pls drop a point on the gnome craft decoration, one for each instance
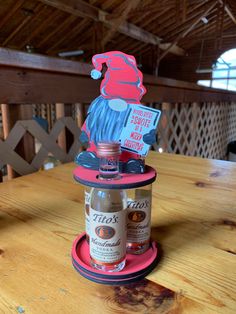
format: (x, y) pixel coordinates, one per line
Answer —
(117, 115)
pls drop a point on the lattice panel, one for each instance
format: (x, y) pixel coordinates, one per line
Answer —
(9, 156)
(197, 129)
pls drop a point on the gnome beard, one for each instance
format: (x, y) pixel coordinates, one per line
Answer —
(104, 123)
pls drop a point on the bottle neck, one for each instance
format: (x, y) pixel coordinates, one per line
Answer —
(109, 167)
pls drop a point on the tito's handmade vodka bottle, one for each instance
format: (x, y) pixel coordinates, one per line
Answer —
(108, 215)
(86, 211)
(139, 219)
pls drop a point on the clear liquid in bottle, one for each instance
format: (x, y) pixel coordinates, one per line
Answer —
(108, 214)
(139, 204)
(108, 229)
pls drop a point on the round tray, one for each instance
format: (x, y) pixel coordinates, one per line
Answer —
(137, 266)
(89, 177)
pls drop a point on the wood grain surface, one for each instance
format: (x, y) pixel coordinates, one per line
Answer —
(193, 219)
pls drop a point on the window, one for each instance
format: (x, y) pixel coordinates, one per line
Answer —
(224, 72)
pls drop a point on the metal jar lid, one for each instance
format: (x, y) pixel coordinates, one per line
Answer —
(105, 149)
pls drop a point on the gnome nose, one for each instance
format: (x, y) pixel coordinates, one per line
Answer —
(117, 104)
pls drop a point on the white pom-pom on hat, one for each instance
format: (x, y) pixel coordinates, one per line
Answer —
(95, 74)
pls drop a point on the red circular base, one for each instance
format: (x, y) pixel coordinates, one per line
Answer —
(127, 181)
(136, 268)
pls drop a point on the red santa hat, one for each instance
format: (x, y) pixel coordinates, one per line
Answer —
(122, 79)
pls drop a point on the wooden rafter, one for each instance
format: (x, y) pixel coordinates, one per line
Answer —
(13, 58)
(221, 26)
(108, 5)
(209, 30)
(21, 25)
(82, 43)
(185, 8)
(98, 35)
(210, 37)
(177, 12)
(81, 8)
(172, 31)
(228, 11)
(150, 8)
(188, 30)
(78, 7)
(217, 24)
(139, 34)
(147, 17)
(69, 37)
(129, 46)
(178, 51)
(51, 18)
(57, 29)
(154, 25)
(123, 12)
(197, 35)
(11, 12)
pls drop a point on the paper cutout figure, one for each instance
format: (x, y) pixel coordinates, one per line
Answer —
(121, 91)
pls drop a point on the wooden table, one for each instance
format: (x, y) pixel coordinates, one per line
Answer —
(193, 217)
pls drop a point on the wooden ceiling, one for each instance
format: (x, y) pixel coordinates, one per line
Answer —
(167, 35)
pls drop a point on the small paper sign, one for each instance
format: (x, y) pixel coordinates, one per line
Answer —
(139, 132)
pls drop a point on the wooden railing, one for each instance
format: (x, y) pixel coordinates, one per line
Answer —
(48, 144)
(198, 128)
(195, 120)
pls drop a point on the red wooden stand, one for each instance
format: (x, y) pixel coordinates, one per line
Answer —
(127, 181)
(137, 266)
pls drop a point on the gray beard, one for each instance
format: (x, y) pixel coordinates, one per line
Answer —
(104, 123)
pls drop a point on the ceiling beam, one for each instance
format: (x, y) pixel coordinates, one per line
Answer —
(169, 29)
(47, 20)
(84, 9)
(75, 7)
(67, 21)
(69, 37)
(210, 37)
(25, 20)
(178, 51)
(185, 8)
(18, 59)
(10, 13)
(188, 30)
(123, 12)
(228, 11)
(138, 33)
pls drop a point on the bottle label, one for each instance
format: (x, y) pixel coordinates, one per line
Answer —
(139, 220)
(107, 236)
